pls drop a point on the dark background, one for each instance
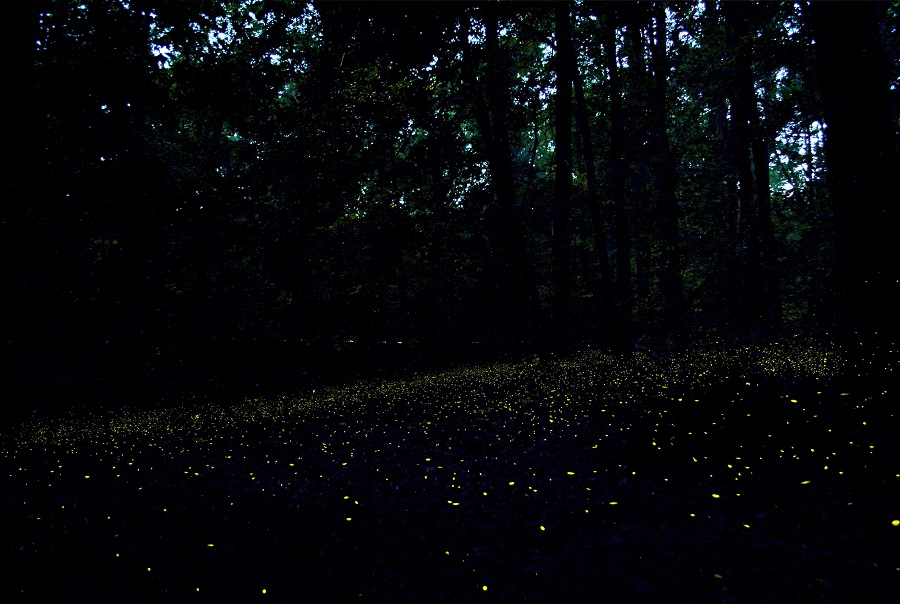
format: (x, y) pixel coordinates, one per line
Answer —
(266, 195)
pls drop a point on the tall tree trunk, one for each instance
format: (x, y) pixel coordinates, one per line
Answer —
(23, 183)
(516, 287)
(561, 244)
(758, 297)
(625, 297)
(671, 279)
(862, 164)
(725, 186)
(603, 290)
(769, 291)
(637, 108)
(742, 289)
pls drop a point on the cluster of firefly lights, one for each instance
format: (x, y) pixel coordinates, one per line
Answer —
(473, 427)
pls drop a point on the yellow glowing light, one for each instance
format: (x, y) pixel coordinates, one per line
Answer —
(715, 496)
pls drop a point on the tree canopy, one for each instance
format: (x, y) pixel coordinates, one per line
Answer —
(248, 191)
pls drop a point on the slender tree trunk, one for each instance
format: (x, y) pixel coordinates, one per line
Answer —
(637, 99)
(759, 297)
(516, 287)
(561, 251)
(671, 279)
(724, 185)
(23, 183)
(764, 233)
(603, 290)
(728, 183)
(743, 287)
(862, 165)
(625, 297)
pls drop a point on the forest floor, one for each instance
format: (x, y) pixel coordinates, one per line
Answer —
(720, 474)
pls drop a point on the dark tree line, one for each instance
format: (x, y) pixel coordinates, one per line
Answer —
(245, 191)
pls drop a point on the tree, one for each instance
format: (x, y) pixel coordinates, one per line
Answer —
(619, 166)
(671, 279)
(515, 280)
(861, 160)
(565, 67)
(602, 288)
(225, 189)
(756, 298)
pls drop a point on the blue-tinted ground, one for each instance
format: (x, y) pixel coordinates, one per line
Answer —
(756, 474)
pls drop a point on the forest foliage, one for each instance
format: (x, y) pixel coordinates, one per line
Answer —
(255, 192)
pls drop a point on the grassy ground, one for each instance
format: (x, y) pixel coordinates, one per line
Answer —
(720, 474)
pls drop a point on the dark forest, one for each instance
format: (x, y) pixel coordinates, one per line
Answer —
(237, 192)
(351, 224)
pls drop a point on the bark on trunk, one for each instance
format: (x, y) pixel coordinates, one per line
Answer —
(617, 189)
(561, 244)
